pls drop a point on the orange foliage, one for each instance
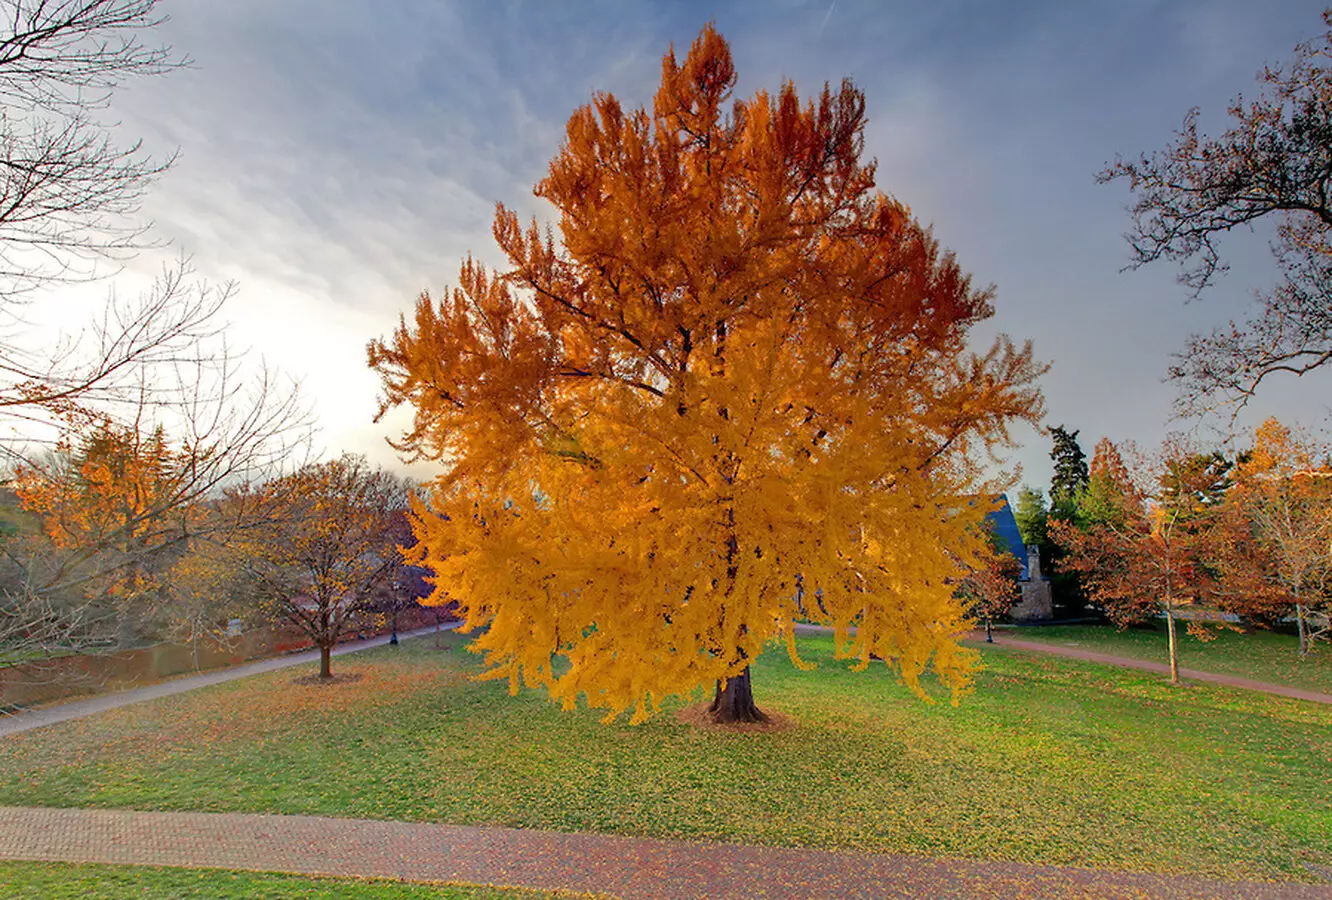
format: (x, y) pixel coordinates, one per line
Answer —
(1277, 522)
(991, 589)
(738, 364)
(117, 496)
(1147, 557)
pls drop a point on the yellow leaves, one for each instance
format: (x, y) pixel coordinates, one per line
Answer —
(789, 630)
(740, 377)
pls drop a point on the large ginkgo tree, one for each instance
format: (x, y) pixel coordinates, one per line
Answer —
(731, 391)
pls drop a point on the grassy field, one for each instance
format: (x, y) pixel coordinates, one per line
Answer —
(1260, 655)
(57, 881)
(1049, 761)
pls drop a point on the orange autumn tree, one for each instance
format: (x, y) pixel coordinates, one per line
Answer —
(116, 503)
(738, 365)
(1278, 523)
(992, 588)
(1142, 555)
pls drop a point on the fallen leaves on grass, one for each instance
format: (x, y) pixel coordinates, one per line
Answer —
(699, 717)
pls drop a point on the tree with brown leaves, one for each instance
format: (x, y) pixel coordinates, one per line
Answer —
(1143, 558)
(330, 550)
(1278, 525)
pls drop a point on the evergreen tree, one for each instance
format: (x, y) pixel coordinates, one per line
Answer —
(1070, 474)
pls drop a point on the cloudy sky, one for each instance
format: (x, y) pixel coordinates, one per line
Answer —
(339, 156)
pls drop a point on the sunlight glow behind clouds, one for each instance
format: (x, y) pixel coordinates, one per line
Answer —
(337, 158)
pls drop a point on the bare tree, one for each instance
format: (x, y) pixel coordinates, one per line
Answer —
(154, 370)
(122, 511)
(68, 193)
(69, 198)
(1274, 164)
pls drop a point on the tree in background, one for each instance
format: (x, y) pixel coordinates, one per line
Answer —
(68, 197)
(1201, 479)
(116, 508)
(991, 588)
(1109, 497)
(1144, 559)
(1277, 556)
(403, 587)
(330, 549)
(1275, 162)
(1070, 473)
(1067, 484)
(1031, 516)
(113, 512)
(737, 365)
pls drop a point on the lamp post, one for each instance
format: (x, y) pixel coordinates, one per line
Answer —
(393, 638)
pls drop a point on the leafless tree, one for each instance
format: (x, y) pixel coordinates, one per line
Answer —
(157, 364)
(133, 519)
(69, 197)
(68, 192)
(1273, 164)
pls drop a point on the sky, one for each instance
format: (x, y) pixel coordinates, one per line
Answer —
(337, 157)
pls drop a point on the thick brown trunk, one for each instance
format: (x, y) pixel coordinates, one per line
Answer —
(325, 656)
(735, 701)
(1303, 629)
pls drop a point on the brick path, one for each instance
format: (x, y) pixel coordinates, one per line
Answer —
(629, 868)
(77, 709)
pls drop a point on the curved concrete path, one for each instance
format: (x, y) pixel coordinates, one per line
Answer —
(77, 709)
(1002, 640)
(1247, 684)
(629, 868)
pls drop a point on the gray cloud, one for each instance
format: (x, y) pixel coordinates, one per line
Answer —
(338, 156)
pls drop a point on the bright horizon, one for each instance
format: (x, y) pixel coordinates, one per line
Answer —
(335, 161)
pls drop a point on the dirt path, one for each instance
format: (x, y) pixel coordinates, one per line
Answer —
(629, 868)
(77, 709)
(1127, 662)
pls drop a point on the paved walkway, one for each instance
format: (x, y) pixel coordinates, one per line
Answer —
(1002, 640)
(628, 868)
(77, 709)
(1164, 668)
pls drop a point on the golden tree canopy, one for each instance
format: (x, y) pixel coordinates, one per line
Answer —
(739, 371)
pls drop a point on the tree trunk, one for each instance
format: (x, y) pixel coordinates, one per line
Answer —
(1174, 655)
(1303, 629)
(989, 638)
(735, 701)
(325, 655)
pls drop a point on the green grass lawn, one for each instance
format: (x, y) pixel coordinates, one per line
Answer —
(1260, 655)
(1049, 761)
(60, 881)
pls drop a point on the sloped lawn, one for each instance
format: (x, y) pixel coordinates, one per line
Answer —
(1049, 761)
(1260, 655)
